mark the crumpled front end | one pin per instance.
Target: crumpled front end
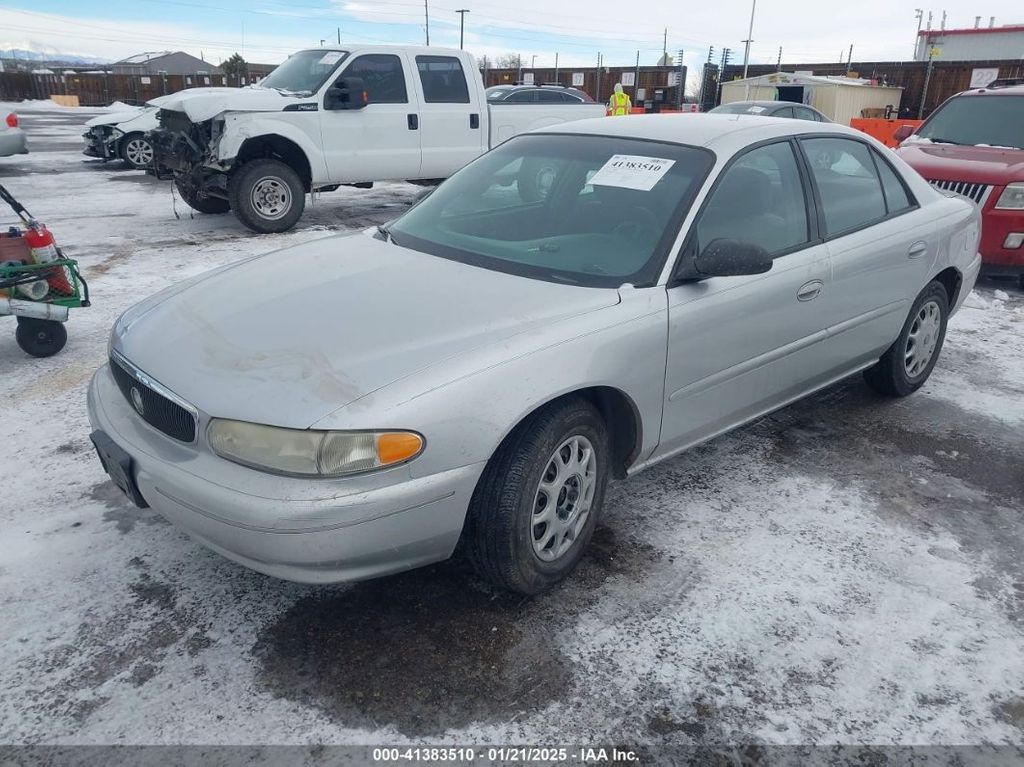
(102, 141)
(181, 146)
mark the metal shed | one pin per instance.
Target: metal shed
(839, 98)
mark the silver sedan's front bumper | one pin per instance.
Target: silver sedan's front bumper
(311, 531)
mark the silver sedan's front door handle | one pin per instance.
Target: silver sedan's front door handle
(917, 249)
(809, 290)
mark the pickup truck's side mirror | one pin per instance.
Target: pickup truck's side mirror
(731, 258)
(347, 93)
(903, 133)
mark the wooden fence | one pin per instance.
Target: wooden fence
(101, 89)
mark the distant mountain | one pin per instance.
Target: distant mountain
(21, 54)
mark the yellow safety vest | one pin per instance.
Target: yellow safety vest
(619, 104)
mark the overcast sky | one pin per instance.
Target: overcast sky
(576, 29)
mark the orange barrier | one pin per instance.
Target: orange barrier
(882, 130)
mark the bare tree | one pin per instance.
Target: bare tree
(506, 61)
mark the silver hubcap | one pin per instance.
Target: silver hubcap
(923, 338)
(564, 497)
(271, 197)
(139, 152)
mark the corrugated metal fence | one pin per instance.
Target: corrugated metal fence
(100, 89)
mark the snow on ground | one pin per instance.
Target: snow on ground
(849, 570)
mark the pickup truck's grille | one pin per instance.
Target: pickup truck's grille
(156, 409)
(976, 192)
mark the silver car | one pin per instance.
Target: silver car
(576, 305)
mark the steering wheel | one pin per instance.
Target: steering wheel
(635, 224)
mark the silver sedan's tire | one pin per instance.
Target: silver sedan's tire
(906, 365)
(537, 504)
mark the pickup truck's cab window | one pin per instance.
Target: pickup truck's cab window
(759, 199)
(383, 77)
(443, 80)
(848, 183)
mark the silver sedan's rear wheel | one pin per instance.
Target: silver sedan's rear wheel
(906, 365)
(537, 503)
(136, 151)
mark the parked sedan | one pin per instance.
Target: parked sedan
(785, 109)
(12, 137)
(477, 371)
(122, 136)
(536, 94)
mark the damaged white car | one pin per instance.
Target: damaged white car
(122, 136)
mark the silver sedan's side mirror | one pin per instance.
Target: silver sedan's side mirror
(731, 258)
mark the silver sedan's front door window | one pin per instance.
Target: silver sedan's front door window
(739, 346)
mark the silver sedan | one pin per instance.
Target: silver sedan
(576, 305)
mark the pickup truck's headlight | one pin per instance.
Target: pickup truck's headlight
(310, 453)
(1012, 197)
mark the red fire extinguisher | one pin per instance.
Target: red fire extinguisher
(44, 250)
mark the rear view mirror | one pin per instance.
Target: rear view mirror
(732, 258)
(903, 133)
(347, 93)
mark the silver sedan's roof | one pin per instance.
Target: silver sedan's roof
(721, 132)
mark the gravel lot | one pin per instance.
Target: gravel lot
(848, 570)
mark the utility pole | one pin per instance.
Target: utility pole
(664, 44)
(682, 82)
(556, 69)
(598, 88)
(705, 80)
(750, 38)
(519, 63)
(462, 24)
(849, 59)
(726, 53)
(927, 79)
(339, 35)
(426, 17)
(636, 80)
(778, 63)
(919, 12)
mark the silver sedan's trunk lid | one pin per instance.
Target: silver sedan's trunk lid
(289, 337)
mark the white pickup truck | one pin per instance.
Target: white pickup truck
(329, 117)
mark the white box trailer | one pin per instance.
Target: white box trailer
(839, 98)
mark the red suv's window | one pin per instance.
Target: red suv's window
(993, 120)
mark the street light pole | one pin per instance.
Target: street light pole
(462, 24)
(919, 12)
(426, 18)
(750, 38)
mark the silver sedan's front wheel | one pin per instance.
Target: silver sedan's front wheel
(564, 497)
(537, 503)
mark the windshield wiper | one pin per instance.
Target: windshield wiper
(944, 141)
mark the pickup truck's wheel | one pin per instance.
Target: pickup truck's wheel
(40, 338)
(136, 151)
(537, 503)
(267, 196)
(905, 367)
(198, 201)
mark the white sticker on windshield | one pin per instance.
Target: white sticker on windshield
(631, 171)
(756, 110)
(330, 59)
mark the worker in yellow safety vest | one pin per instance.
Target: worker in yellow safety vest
(619, 103)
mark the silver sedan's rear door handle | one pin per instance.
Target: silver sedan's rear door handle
(917, 249)
(809, 290)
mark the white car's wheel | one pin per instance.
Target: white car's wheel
(136, 151)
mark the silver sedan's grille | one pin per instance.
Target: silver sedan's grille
(977, 192)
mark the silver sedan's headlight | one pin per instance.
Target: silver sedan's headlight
(1012, 197)
(309, 453)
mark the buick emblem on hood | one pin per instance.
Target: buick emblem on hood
(137, 400)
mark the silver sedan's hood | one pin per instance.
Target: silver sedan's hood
(289, 337)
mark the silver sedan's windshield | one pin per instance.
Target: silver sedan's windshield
(304, 72)
(589, 210)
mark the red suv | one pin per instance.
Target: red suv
(974, 145)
